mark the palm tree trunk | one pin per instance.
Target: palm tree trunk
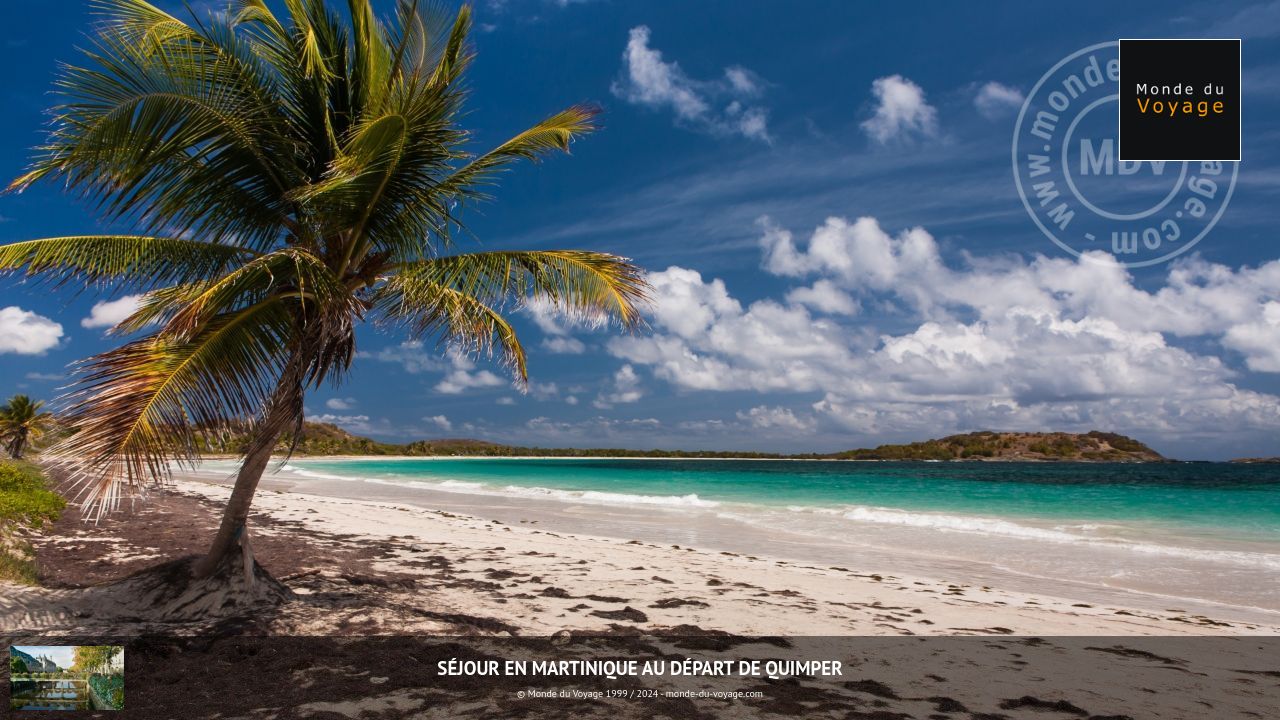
(19, 444)
(281, 412)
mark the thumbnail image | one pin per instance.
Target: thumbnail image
(66, 677)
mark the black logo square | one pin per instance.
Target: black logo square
(1179, 100)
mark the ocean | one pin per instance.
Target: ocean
(1204, 531)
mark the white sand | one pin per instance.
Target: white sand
(713, 590)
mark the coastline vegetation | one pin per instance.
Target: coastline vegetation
(26, 506)
(322, 439)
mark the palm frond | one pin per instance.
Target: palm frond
(582, 284)
(174, 129)
(455, 319)
(143, 405)
(460, 297)
(125, 261)
(289, 272)
(555, 133)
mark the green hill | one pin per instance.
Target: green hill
(327, 439)
(988, 445)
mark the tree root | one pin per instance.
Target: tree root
(171, 592)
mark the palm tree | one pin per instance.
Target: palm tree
(284, 179)
(22, 422)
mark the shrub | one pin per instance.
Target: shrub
(109, 688)
(25, 504)
(24, 499)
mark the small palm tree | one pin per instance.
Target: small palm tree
(285, 179)
(21, 423)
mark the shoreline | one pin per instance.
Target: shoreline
(1057, 605)
(359, 561)
(1035, 461)
(1156, 562)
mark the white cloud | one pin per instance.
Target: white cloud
(1258, 339)
(544, 391)
(110, 313)
(25, 333)
(596, 431)
(995, 101)
(556, 323)
(352, 423)
(824, 296)
(775, 418)
(564, 346)
(460, 372)
(46, 377)
(997, 342)
(411, 355)
(506, 400)
(464, 376)
(440, 421)
(743, 81)
(361, 424)
(901, 111)
(340, 403)
(707, 341)
(626, 389)
(719, 107)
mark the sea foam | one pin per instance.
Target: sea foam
(977, 525)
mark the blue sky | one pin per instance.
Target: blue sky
(62, 655)
(824, 197)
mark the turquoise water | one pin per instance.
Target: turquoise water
(1240, 502)
(1173, 533)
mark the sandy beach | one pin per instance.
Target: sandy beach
(381, 592)
(417, 569)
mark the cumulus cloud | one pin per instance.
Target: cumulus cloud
(340, 403)
(460, 371)
(597, 430)
(556, 324)
(464, 376)
(720, 107)
(626, 389)
(23, 332)
(706, 340)
(901, 111)
(1258, 339)
(824, 296)
(994, 342)
(110, 313)
(764, 417)
(564, 346)
(412, 355)
(352, 423)
(995, 101)
(440, 421)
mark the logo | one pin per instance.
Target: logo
(1082, 196)
(1180, 100)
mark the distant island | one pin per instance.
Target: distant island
(1093, 446)
(320, 439)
